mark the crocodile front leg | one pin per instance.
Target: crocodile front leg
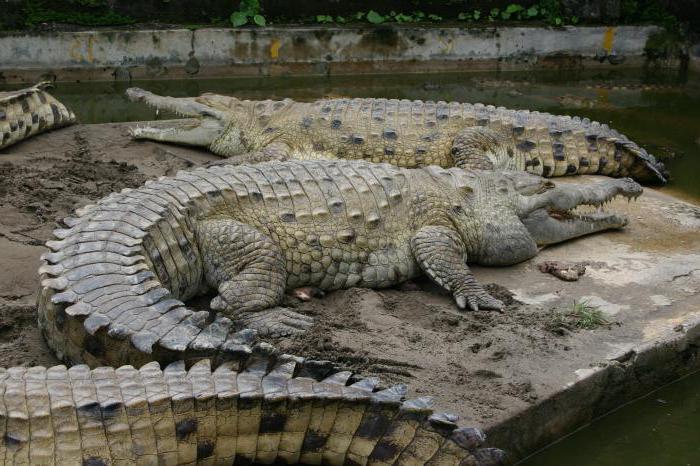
(248, 270)
(480, 148)
(272, 152)
(441, 254)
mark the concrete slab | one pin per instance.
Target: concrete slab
(521, 375)
(312, 50)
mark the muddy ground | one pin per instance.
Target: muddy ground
(486, 366)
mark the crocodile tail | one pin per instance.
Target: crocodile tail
(30, 111)
(114, 281)
(265, 409)
(553, 145)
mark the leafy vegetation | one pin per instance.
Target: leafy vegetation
(547, 11)
(248, 10)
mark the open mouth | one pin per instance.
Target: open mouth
(594, 211)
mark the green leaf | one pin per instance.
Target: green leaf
(434, 17)
(532, 11)
(476, 15)
(463, 16)
(238, 18)
(513, 8)
(374, 17)
(359, 15)
(249, 7)
(557, 21)
(574, 20)
(340, 19)
(494, 12)
(259, 20)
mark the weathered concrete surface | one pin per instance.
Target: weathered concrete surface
(695, 58)
(647, 279)
(125, 54)
(504, 371)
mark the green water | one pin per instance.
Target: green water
(661, 430)
(664, 119)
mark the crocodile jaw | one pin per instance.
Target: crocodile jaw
(202, 132)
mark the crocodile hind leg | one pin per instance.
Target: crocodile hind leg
(248, 270)
(480, 148)
(441, 255)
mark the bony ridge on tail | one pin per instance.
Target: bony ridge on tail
(27, 112)
(114, 283)
(401, 132)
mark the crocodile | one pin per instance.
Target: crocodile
(200, 386)
(401, 132)
(27, 112)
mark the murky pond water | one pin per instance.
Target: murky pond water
(658, 110)
(662, 429)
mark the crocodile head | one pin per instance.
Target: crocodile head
(209, 126)
(514, 214)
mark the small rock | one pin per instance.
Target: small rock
(562, 270)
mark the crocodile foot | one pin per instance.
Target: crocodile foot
(276, 322)
(474, 302)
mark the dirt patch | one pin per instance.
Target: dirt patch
(48, 188)
(414, 334)
(42, 181)
(21, 343)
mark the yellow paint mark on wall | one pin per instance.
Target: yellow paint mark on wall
(83, 52)
(275, 48)
(608, 39)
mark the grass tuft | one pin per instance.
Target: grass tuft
(582, 315)
(588, 316)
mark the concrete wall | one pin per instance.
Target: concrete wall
(311, 50)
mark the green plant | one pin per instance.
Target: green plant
(248, 10)
(375, 18)
(324, 19)
(587, 316)
(513, 10)
(401, 18)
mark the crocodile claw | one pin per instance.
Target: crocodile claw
(276, 322)
(480, 301)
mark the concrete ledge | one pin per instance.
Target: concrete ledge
(124, 54)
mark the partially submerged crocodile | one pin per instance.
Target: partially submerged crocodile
(27, 112)
(402, 132)
(115, 280)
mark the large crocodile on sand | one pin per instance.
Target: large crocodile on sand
(115, 281)
(30, 111)
(401, 132)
